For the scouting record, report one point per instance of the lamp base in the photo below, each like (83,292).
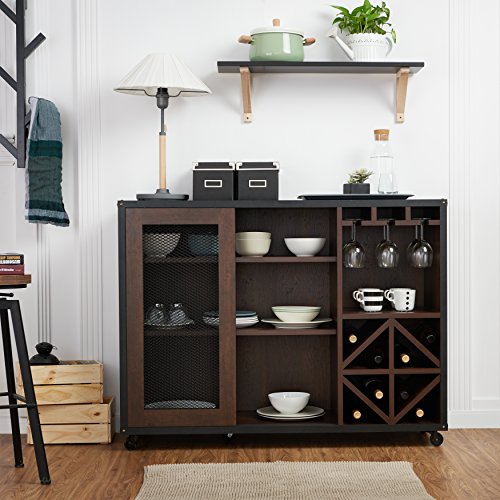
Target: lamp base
(162,194)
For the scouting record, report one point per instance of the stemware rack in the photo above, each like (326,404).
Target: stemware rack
(255,361)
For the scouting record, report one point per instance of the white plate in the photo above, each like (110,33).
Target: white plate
(296,326)
(306,413)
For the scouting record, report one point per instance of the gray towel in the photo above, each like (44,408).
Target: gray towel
(44,203)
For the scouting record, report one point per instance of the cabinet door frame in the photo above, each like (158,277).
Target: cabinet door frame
(132,313)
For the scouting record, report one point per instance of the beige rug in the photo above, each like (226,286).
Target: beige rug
(283,480)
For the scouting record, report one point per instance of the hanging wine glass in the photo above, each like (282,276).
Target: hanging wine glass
(353,252)
(387,251)
(420,252)
(409,250)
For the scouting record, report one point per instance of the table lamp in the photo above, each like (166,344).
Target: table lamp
(162,76)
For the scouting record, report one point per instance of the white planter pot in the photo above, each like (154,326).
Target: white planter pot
(364,46)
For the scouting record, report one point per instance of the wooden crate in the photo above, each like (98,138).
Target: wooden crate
(67,394)
(73,424)
(68,372)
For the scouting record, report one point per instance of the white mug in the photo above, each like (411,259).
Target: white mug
(370,299)
(401,299)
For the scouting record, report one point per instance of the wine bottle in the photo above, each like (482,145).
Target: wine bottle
(403,393)
(419,412)
(402,355)
(427,337)
(373,389)
(375,358)
(353,338)
(356,414)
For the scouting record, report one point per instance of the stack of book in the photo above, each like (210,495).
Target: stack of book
(11,263)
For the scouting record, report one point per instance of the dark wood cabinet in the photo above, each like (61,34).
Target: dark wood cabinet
(194,378)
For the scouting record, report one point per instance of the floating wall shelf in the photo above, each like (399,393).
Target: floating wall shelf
(401,70)
(18,84)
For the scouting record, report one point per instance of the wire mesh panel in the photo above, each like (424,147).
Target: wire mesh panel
(181,335)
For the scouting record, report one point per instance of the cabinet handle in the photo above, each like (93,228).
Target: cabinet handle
(210,183)
(254,183)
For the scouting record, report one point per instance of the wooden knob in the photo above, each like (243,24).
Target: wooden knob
(309,41)
(276,22)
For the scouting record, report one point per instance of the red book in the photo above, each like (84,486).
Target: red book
(15,269)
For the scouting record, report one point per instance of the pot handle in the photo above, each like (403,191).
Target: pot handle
(309,41)
(245,39)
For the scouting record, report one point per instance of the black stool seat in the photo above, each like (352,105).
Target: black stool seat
(16,401)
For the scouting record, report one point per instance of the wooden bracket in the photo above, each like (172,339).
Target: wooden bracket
(401,89)
(246,91)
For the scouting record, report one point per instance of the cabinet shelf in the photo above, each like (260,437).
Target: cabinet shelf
(181,260)
(285,260)
(181,332)
(251,418)
(402,70)
(416,314)
(282,332)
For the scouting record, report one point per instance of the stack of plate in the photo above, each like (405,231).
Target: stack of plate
(307,413)
(243,319)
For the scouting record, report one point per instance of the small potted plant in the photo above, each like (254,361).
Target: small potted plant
(356,184)
(367,31)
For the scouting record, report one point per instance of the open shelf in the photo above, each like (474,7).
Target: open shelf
(181,332)
(282,332)
(416,314)
(252,418)
(181,260)
(14,280)
(402,70)
(285,260)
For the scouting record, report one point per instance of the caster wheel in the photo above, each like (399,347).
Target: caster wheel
(436,439)
(230,435)
(132,443)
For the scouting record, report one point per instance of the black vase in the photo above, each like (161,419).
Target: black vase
(361,188)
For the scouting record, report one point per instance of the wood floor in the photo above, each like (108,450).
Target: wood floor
(466,466)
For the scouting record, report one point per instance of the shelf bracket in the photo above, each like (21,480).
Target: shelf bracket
(246,92)
(401,89)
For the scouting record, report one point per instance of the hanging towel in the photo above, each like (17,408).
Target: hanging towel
(44,203)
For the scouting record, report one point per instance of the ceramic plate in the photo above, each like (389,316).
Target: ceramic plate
(306,413)
(296,326)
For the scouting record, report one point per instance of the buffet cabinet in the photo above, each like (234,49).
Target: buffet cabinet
(190,377)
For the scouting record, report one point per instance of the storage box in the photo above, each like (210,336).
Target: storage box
(213,181)
(67,372)
(80,423)
(257,180)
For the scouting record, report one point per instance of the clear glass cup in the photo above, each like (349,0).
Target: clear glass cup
(387,251)
(353,252)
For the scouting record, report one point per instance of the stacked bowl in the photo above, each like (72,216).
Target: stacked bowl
(296,314)
(253,244)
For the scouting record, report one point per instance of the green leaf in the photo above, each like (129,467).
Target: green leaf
(342,9)
(393,33)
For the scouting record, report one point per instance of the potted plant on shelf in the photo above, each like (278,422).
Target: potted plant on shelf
(367,31)
(356,184)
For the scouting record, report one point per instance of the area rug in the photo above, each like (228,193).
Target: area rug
(283,480)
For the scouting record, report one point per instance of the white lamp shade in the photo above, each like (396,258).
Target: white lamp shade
(162,71)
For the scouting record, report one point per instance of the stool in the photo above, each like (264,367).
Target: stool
(15,400)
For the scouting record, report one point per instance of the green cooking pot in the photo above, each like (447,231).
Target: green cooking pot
(276,43)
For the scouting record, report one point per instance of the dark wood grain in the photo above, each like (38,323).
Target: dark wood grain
(14,279)
(284,260)
(283,332)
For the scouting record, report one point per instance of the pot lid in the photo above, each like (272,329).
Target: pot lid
(276,28)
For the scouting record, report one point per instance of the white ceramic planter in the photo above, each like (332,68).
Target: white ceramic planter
(364,46)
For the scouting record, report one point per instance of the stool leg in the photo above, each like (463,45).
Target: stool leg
(29,393)
(11,387)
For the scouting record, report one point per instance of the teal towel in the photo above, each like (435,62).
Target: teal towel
(44,203)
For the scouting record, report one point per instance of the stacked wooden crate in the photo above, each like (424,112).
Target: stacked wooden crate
(71,404)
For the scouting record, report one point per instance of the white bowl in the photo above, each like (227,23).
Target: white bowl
(253,248)
(289,402)
(296,314)
(160,244)
(253,235)
(305,247)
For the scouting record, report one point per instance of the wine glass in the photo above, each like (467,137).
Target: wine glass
(387,251)
(354,253)
(420,252)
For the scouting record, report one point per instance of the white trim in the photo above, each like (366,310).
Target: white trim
(89,182)
(41,61)
(460,371)
(474,419)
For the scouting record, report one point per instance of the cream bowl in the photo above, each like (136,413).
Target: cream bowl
(289,402)
(296,314)
(253,247)
(305,247)
(253,235)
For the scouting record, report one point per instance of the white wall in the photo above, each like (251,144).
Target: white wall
(317,126)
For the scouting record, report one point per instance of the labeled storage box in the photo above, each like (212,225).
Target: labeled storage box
(213,181)
(70,402)
(257,180)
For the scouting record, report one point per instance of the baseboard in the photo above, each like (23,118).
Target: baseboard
(474,419)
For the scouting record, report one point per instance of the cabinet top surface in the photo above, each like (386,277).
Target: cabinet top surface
(282,203)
